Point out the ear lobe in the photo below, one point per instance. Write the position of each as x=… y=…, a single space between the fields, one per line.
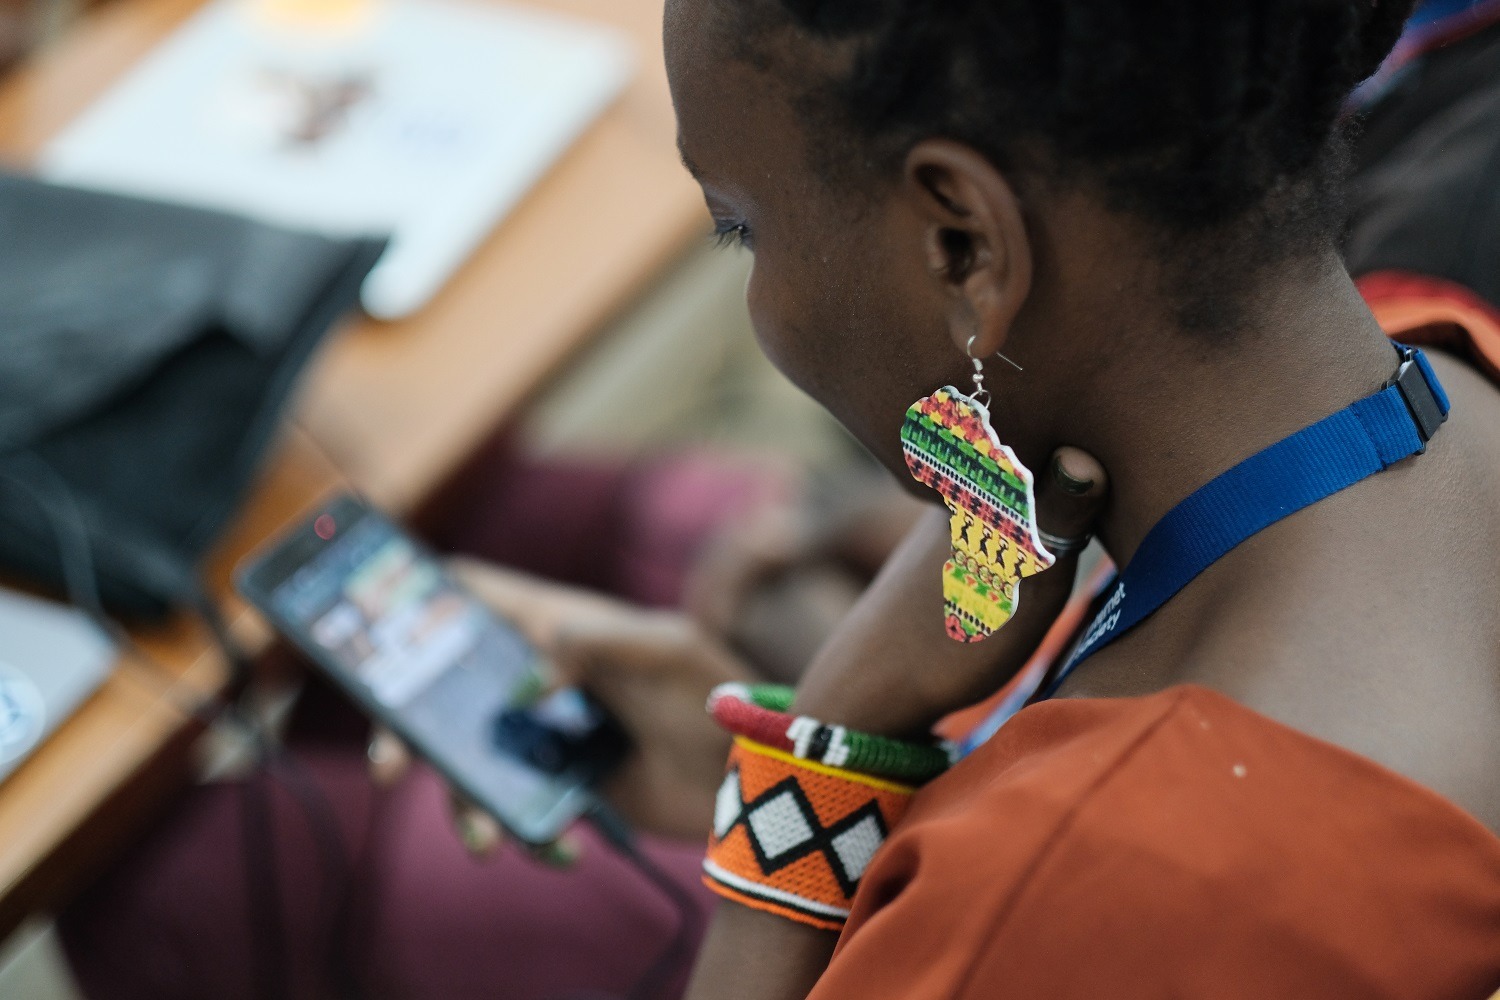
x=974 y=239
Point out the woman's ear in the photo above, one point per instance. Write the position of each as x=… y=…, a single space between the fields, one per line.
x=974 y=239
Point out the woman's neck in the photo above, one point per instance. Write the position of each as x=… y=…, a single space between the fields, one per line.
x=1167 y=419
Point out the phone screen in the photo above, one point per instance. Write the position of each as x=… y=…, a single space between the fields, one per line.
x=463 y=687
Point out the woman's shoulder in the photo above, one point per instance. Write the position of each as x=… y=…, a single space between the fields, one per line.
x=1194 y=747
x=1175 y=842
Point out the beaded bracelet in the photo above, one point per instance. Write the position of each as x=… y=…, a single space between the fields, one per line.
x=794 y=837
x=759 y=712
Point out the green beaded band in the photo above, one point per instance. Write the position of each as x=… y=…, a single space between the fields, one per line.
x=761 y=712
x=776 y=697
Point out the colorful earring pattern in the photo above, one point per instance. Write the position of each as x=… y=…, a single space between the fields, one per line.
x=950 y=446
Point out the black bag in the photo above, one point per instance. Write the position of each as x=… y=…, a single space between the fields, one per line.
x=146 y=352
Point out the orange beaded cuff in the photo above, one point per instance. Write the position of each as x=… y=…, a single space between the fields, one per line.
x=794 y=837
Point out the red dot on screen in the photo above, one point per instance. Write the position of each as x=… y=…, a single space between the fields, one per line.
x=324 y=527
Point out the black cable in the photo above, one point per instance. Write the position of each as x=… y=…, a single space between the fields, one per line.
x=64 y=516
x=322 y=823
x=282 y=767
x=652 y=984
x=274 y=761
x=52 y=495
x=268 y=969
x=59 y=509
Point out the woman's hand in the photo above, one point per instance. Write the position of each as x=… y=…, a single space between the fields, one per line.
x=652 y=669
x=890 y=667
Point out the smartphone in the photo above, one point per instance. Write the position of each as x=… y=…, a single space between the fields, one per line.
x=378 y=613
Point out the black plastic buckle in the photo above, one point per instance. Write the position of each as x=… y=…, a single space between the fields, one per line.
x=1420 y=400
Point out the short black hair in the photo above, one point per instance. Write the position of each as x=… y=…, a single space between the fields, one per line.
x=1196 y=116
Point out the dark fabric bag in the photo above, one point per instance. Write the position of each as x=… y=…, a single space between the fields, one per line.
x=146 y=353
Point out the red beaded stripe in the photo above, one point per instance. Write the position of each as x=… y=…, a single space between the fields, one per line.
x=743 y=710
x=753 y=722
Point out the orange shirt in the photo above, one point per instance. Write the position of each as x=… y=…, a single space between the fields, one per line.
x=1175 y=845
x=1182 y=845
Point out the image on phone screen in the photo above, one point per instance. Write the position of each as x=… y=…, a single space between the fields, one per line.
x=462 y=686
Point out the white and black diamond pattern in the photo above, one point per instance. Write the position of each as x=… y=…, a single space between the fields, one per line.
x=856 y=845
x=778 y=825
x=727 y=804
x=783 y=828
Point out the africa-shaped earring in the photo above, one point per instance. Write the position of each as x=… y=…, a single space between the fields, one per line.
x=950 y=446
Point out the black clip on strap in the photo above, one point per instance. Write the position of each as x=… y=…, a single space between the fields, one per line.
x=1428 y=409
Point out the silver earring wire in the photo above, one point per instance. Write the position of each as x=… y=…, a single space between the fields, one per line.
x=969 y=350
x=979 y=388
x=981 y=395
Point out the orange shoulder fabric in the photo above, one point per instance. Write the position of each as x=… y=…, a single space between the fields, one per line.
x=1424 y=311
x=1172 y=845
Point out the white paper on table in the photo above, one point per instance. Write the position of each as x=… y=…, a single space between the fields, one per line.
x=424 y=120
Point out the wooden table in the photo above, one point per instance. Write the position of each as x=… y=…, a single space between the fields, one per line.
x=393 y=408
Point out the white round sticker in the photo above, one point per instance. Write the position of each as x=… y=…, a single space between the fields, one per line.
x=21 y=713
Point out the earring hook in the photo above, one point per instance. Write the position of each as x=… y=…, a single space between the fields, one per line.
x=969 y=350
x=981 y=395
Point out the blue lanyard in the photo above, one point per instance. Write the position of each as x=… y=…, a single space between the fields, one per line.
x=1295 y=472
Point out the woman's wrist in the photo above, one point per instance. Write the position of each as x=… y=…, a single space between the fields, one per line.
x=750 y=955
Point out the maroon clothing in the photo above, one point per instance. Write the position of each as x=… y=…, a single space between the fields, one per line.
x=422 y=918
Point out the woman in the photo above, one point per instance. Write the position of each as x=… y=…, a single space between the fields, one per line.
x=1281 y=782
